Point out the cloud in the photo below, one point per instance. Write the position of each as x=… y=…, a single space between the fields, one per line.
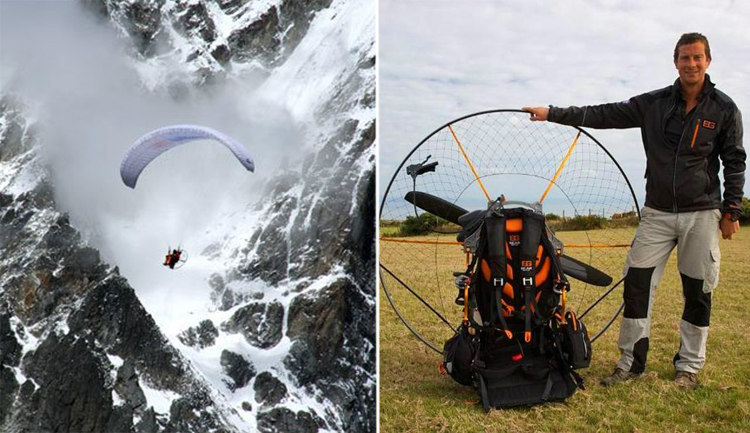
x=442 y=60
x=93 y=105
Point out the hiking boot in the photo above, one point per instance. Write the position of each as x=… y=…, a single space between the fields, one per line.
x=618 y=376
x=686 y=379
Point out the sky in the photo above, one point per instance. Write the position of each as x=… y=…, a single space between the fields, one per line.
x=440 y=60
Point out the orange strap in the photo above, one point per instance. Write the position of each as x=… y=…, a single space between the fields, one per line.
x=560 y=168
x=466 y=300
x=471 y=166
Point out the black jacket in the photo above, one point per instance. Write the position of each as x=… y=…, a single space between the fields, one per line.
x=687 y=178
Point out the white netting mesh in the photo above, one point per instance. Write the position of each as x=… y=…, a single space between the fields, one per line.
x=516 y=158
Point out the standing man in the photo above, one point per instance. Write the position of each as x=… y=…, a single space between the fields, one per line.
x=686 y=128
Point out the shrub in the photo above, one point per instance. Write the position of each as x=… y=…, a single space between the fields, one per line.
x=582 y=222
x=745 y=218
x=623 y=215
x=418 y=226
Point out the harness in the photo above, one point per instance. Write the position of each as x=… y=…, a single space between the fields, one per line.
x=514 y=267
x=514 y=325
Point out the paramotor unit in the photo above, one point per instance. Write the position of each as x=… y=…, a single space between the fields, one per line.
x=156 y=142
x=175 y=258
x=590 y=210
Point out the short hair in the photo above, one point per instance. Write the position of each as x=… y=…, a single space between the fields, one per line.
x=691 y=38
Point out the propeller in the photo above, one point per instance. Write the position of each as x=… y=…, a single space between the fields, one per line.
x=451 y=212
x=436 y=206
x=583 y=272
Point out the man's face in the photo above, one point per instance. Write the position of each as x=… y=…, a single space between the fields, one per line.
x=692 y=63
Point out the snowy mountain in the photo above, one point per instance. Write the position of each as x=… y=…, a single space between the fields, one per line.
x=270 y=324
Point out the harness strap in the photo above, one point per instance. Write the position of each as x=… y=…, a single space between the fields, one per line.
x=495 y=225
x=531 y=234
x=467 y=288
x=561 y=284
x=495 y=236
x=472 y=271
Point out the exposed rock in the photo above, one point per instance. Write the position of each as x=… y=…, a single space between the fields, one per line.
x=272 y=245
x=203 y=335
x=12 y=141
x=143 y=24
x=27 y=390
x=230 y=6
x=362 y=236
x=193 y=19
x=258 y=40
x=148 y=422
x=316 y=319
x=127 y=387
x=227 y=300
x=189 y=414
x=54 y=271
x=283 y=420
x=269 y=391
x=296 y=17
x=75 y=395
x=330 y=213
x=302 y=363
x=259 y=323
x=113 y=313
x=10 y=349
x=239 y=369
x=222 y=54
x=325 y=349
x=221 y=297
x=121 y=419
x=8 y=388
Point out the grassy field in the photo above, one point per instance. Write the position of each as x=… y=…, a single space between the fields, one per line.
x=415 y=398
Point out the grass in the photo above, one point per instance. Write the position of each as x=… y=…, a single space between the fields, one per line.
x=415 y=398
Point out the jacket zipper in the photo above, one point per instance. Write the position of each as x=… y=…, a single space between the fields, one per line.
x=674 y=173
x=695 y=133
x=677 y=149
x=676 y=154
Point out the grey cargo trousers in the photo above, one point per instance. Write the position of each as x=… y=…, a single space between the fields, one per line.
x=696 y=235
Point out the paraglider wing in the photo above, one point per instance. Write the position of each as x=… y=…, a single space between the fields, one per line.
x=156 y=142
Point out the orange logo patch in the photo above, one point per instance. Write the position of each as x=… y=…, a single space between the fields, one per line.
x=709 y=124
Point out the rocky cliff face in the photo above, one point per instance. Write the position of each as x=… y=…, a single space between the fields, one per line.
x=78 y=350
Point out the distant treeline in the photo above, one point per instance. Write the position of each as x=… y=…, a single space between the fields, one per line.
x=413 y=226
x=745 y=218
x=426 y=223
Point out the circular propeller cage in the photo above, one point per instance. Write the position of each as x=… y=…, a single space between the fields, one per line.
x=586 y=197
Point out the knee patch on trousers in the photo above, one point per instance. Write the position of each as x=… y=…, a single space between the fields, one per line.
x=640 y=353
x=637 y=291
x=697 y=303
